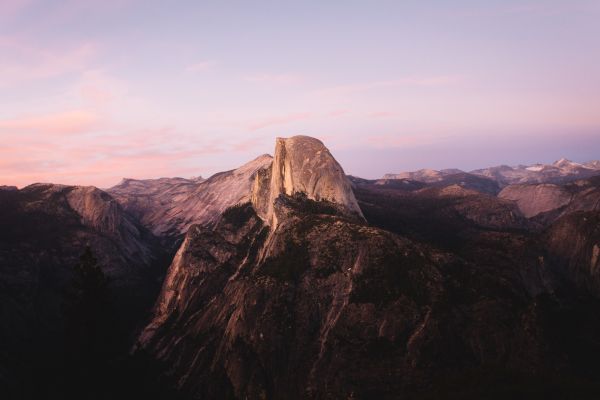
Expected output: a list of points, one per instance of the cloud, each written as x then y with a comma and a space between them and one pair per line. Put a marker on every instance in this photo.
64, 123
382, 114
337, 113
399, 140
414, 81
22, 62
278, 120
279, 79
200, 66
97, 88
102, 159
245, 145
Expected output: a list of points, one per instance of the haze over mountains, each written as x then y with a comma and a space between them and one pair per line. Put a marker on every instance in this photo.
285, 278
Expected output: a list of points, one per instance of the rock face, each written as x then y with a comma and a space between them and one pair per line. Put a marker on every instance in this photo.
303, 165
536, 199
292, 295
168, 207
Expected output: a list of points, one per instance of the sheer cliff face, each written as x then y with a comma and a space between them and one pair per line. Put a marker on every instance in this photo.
303, 165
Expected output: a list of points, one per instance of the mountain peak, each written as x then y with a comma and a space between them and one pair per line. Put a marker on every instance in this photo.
563, 162
302, 164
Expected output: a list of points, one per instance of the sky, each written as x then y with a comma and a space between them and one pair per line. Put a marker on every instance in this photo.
92, 91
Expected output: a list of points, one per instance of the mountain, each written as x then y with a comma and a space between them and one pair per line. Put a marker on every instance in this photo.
293, 294
45, 230
169, 206
465, 180
535, 199
593, 164
141, 196
560, 171
548, 202
423, 175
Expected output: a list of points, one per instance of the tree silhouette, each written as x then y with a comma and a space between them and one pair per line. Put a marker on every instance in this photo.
91, 328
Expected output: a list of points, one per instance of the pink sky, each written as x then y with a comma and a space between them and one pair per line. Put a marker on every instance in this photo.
94, 91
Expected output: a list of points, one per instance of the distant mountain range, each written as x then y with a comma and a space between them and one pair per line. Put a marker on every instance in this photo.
560, 171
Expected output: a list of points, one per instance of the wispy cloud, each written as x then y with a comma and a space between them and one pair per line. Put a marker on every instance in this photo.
103, 157
414, 81
382, 114
337, 113
279, 79
200, 66
22, 62
63, 123
98, 88
278, 120
387, 141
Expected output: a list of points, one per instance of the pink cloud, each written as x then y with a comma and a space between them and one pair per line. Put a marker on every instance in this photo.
65, 123
280, 79
22, 62
337, 113
245, 145
98, 89
200, 66
101, 160
415, 81
387, 141
279, 120
382, 114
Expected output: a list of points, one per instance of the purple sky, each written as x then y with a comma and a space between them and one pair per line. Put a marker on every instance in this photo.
93, 91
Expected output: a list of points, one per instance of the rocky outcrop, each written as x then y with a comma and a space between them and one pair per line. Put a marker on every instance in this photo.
169, 206
303, 165
536, 199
